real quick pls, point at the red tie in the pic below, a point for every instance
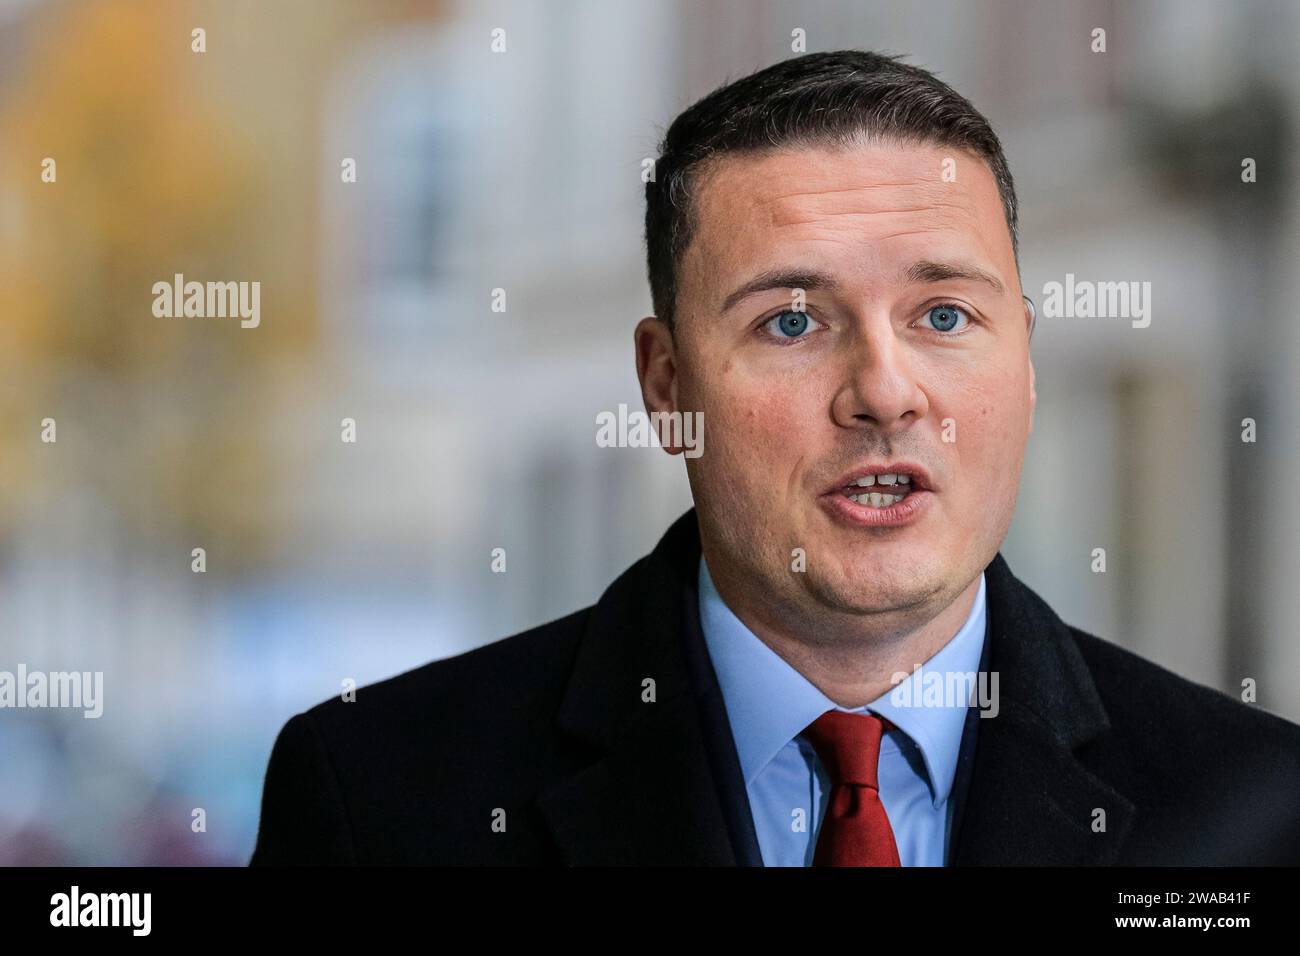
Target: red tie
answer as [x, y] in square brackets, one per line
[856, 830]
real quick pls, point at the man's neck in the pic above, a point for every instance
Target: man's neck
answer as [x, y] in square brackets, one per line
[851, 658]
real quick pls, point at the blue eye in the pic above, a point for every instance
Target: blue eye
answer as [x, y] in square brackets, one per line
[789, 325]
[944, 318]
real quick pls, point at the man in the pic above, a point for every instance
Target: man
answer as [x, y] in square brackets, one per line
[833, 261]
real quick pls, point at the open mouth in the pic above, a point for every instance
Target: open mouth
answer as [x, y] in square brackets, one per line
[884, 495]
[879, 491]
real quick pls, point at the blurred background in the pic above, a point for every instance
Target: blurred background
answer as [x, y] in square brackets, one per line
[521, 170]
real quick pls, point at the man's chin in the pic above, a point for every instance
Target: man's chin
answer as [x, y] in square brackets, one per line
[876, 594]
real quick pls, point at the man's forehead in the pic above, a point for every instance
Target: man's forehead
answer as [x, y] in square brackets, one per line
[785, 186]
[831, 160]
[748, 206]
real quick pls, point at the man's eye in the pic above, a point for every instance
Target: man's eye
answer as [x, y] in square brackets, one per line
[945, 318]
[790, 325]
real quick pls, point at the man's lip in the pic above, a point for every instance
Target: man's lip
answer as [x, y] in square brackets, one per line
[920, 477]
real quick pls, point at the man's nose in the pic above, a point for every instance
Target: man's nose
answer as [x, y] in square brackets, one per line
[879, 384]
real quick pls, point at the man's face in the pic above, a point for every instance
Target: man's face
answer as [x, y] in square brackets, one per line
[908, 352]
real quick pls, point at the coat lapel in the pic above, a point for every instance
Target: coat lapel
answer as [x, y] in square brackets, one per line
[1031, 799]
[650, 797]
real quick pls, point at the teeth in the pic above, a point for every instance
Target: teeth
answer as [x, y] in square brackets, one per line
[876, 500]
[887, 479]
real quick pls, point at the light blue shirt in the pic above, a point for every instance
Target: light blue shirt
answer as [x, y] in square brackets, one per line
[769, 704]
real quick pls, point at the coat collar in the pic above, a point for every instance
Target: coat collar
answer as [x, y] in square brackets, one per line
[656, 792]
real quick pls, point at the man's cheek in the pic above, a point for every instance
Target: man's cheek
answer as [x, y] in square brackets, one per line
[783, 406]
[753, 441]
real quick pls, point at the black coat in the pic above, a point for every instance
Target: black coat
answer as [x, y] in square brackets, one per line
[547, 731]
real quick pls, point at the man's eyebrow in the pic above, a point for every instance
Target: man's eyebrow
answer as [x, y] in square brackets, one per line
[781, 279]
[928, 271]
[809, 279]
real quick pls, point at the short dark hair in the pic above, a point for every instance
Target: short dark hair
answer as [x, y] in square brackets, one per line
[809, 100]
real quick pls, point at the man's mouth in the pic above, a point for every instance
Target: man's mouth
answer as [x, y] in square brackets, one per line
[883, 486]
[879, 491]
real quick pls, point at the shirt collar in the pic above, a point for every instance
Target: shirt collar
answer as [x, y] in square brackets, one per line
[769, 703]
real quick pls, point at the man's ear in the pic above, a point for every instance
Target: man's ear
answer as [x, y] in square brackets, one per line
[1033, 395]
[1031, 318]
[656, 368]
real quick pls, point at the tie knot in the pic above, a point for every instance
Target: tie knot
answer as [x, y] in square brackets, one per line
[848, 745]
